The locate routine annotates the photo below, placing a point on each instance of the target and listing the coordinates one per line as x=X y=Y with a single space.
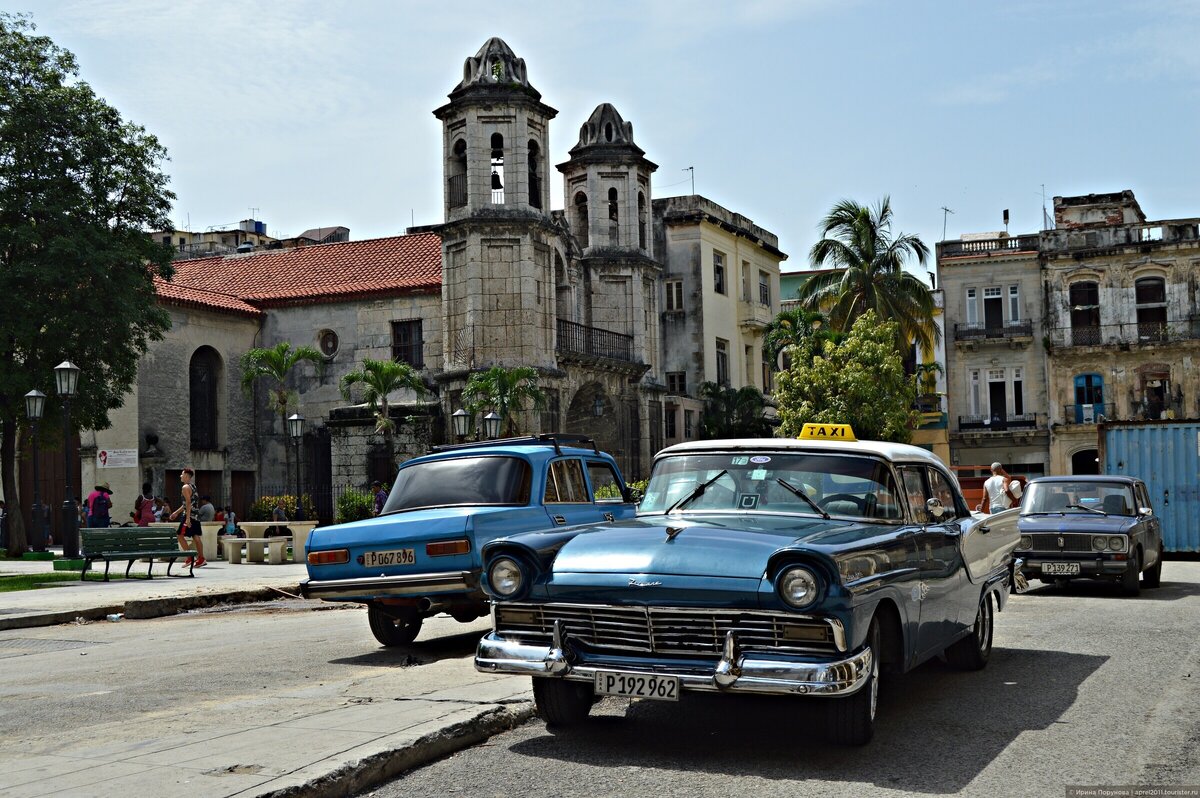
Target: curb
x=357 y=777
x=141 y=609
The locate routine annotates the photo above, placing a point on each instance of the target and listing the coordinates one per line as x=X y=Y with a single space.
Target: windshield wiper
x=1085 y=507
x=696 y=493
x=802 y=495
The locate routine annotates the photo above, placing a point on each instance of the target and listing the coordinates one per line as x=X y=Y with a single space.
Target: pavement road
x=1084 y=687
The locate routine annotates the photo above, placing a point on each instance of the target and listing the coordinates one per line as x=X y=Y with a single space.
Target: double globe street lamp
x=295 y=425
x=461 y=421
x=35 y=405
x=66 y=380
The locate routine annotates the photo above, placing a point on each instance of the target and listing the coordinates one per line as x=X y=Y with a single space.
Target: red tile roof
x=173 y=294
x=319 y=273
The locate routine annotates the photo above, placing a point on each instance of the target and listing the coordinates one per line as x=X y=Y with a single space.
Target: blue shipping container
x=1166 y=456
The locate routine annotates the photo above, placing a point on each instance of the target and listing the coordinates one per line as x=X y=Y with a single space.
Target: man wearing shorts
x=189 y=526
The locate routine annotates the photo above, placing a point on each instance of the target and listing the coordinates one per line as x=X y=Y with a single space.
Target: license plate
x=394 y=557
x=638 y=685
x=1060 y=568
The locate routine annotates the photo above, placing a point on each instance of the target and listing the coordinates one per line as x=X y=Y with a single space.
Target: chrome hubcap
x=983 y=625
x=874 y=683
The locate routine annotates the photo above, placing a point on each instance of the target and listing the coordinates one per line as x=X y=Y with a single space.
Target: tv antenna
x=691 y=169
x=945 y=212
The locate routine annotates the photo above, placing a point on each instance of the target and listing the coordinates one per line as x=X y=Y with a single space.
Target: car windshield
x=1082 y=496
x=460 y=481
x=838 y=484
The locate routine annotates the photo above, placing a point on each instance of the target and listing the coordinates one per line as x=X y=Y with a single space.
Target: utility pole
x=691 y=169
x=945 y=211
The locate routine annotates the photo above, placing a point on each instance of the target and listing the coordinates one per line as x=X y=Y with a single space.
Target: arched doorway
x=1084 y=462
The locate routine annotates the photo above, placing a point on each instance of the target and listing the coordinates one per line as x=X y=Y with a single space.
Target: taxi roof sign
x=827 y=432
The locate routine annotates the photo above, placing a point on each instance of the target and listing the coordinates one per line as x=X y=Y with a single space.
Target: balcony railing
x=997 y=423
x=579 y=339
x=458 y=190
x=1132 y=333
x=988 y=246
x=1089 y=413
x=1012 y=329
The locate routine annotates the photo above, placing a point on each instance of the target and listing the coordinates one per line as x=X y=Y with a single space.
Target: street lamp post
x=35 y=404
x=66 y=380
x=491 y=425
x=461 y=421
x=295 y=424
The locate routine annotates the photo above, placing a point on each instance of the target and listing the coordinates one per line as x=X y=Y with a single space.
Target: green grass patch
x=13 y=582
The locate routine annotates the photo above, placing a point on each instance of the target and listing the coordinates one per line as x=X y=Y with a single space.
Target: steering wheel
x=841 y=497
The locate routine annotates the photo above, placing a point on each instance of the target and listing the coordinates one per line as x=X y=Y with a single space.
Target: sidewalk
x=312 y=740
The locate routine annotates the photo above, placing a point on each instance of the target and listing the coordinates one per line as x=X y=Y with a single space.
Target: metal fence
x=583 y=340
x=1133 y=333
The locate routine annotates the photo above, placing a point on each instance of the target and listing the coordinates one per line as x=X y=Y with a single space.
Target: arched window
x=497 y=169
x=204 y=375
x=614 y=222
x=456 y=171
x=1151 y=295
x=641 y=220
x=1085 y=313
x=608 y=134
x=581 y=219
x=535 y=180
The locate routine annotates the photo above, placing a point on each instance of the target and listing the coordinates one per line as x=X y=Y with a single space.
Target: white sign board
x=117 y=458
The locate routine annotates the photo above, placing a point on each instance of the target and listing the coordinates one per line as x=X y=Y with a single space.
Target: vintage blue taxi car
x=421 y=555
x=779 y=566
x=1094 y=527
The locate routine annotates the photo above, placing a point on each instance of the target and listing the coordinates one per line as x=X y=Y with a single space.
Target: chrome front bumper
x=733 y=673
x=371 y=587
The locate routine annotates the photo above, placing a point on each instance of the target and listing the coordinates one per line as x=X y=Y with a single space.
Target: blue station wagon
x=774 y=566
x=421 y=555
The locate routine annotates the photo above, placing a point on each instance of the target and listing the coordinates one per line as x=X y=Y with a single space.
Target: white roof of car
x=890 y=451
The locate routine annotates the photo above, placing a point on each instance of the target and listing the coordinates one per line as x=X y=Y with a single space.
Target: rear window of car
x=461 y=481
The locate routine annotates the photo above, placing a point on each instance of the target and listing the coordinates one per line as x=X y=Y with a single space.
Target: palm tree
x=275 y=364
x=379 y=379
x=870 y=276
x=794 y=328
x=504 y=390
x=733 y=413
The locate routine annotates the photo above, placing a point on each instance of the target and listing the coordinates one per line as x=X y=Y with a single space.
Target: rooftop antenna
x=945 y=211
x=691 y=169
x=254 y=213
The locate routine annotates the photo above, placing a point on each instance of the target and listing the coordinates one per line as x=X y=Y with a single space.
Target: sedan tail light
x=331 y=557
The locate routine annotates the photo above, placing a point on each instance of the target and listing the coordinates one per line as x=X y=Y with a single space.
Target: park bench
x=255 y=548
x=132 y=544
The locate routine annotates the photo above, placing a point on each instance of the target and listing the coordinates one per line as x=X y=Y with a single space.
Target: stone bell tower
x=499 y=242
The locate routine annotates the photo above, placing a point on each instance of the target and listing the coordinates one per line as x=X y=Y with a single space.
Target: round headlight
x=1026 y=543
x=798 y=587
x=505 y=577
x=1099 y=543
x=1116 y=544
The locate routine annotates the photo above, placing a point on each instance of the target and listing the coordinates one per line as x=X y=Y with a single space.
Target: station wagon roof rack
x=555 y=439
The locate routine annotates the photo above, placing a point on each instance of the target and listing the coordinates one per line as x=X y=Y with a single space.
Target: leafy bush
x=612 y=492
x=354 y=505
x=261 y=510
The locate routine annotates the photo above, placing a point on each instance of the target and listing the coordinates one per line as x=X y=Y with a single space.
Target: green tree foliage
x=860 y=382
x=796 y=327
x=354 y=505
x=869 y=273
x=379 y=379
x=79 y=186
x=733 y=413
x=506 y=391
x=274 y=365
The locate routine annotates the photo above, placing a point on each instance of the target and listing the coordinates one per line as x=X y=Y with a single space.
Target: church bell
x=496 y=181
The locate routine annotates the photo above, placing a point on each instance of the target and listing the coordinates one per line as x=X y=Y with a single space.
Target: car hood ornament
x=673 y=531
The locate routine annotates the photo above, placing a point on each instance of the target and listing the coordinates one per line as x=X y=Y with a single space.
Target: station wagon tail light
x=332 y=557
x=442 y=548
x=1116 y=544
x=798 y=587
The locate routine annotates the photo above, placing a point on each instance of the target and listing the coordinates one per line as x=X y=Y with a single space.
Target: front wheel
x=973 y=651
x=851 y=720
x=562 y=703
x=397 y=629
x=1131 y=579
x=1153 y=577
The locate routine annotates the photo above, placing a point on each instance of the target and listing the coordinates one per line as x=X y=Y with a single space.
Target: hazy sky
x=319 y=113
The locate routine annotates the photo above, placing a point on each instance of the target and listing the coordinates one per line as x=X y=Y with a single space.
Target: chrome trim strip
x=838 y=677
x=404 y=585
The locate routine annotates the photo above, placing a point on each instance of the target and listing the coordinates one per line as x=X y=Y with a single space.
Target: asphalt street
x=1085 y=687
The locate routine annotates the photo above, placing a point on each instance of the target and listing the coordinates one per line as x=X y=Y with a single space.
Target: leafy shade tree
x=506 y=391
x=860 y=382
x=795 y=327
x=733 y=413
x=869 y=274
x=79 y=185
x=379 y=379
x=274 y=365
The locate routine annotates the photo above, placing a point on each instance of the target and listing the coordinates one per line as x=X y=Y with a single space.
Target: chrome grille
x=1071 y=542
x=665 y=630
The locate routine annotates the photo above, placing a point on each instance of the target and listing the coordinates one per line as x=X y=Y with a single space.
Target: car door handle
x=558 y=519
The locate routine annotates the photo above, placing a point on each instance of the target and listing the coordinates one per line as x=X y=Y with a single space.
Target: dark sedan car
x=1096 y=527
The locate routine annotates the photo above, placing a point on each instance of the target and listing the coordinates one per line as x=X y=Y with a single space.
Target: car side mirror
x=1146 y=511
x=935 y=508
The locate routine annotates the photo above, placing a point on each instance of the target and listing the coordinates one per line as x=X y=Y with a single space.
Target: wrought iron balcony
x=579 y=339
x=997 y=423
x=996 y=332
x=1089 y=413
x=1133 y=333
